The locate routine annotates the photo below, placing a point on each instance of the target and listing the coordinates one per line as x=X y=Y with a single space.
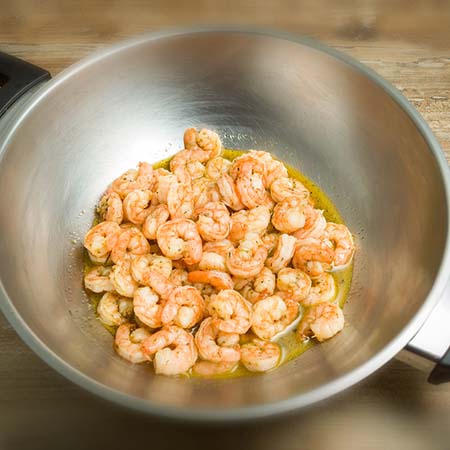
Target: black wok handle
x=16 y=78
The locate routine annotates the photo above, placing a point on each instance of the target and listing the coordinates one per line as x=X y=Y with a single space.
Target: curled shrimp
x=114 y=310
x=260 y=356
x=315 y=224
x=313 y=256
x=159 y=283
x=172 y=349
x=262 y=286
x=207 y=340
x=101 y=239
x=110 y=207
x=220 y=280
x=216 y=167
x=188 y=164
x=323 y=289
x=147 y=307
x=130 y=242
x=180 y=239
x=121 y=278
x=229 y=193
x=205 y=139
x=248 y=259
x=294 y=283
x=97 y=280
x=179 y=277
x=141 y=265
x=204 y=191
x=234 y=312
x=284 y=187
x=210 y=369
x=272 y=315
x=274 y=169
x=163 y=184
x=270 y=241
x=248 y=174
x=213 y=221
x=128 y=341
x=132 y=179
x=283 y=253
x=184 y=307
x=156 y=217
x=254 y=220
x=321 y=321
x=289 y=215
x=180 y=201
x=212 y=261
x=342 y=240
x=136 y=206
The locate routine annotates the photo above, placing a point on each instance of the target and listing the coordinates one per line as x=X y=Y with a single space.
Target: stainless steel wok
x=314 y=108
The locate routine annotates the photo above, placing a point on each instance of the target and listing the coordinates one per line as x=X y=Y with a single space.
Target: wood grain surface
x=407 y=42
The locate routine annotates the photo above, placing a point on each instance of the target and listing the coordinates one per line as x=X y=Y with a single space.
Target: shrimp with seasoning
x=232 y=310
x=207 y=340
x=141 y=265
x=212 y=261
x=284 y=187
x=272 y=315
x=114 y=310
x=156 y=217
x=283 y=253
x=97 y=280
x=210 y=369
x=213 y=221
x=180 y=239
x=204 y=191
x=179 y=201
x=323 y=289
x=132 y=179
x=321 y=321
x=148 y=306
x=254 y=220
x=110 y=207
x=228 y=192
x=128 y=342
x=121 y=278
x=216 y=167
x=205 y=139
x=315 y=224
x=172 y=349
x=179 y=277
x=262 y=286
x=342 y=240
x=101 y=239
x=313 y=256
x=220 y=280
x=163 y=184
x=136 y=206
x=260 y=356
x=188 y=164
x=294 y=283
x=289 y=215
x=130 y=243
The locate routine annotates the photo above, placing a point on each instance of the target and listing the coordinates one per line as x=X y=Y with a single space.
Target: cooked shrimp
x=180 y=239
x=260 y=356
x=229 y=193
x=295 y=283
x=133 y=179
x=184 y=307
x=205 y=139
x=156 y=217
x=163 y=184
x=97 y=280
x=101 y=239
x=159 y=283
x=315 y=224
x=173 y=350
x=247 y=260
x=207 y=291
x=128 y=342
x=272 y=315
x=110 y=207
x=262 y=286
x=204 y=191
x=222 y=248
x=323 y=289
x=121 y=278
x=283 y=253
x=234 y=312
x=212 y=261
x=220 y=280
x=270 y=241
x=179 y=277
x=188 y=164
x=342 y=240
x=274 y=169
x=136 y=206
x=284 y=187
x=213 y=221
x=209 y=368
x=180 y=201
x=148 y=306
x=114 y=310
x=130 y=242
x=206 y=339
x=289 y=215
x=313 y=256
x=141 y=265
x=216 y=167
x=248 y=174
x=321 y=321
x=253 y=220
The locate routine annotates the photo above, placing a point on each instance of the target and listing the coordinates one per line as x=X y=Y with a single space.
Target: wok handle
x=432 y=341
x=16 y=78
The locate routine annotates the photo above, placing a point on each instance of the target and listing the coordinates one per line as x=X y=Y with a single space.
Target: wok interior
x=311 y=110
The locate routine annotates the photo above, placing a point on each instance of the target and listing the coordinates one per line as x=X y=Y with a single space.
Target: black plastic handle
x=16 y=78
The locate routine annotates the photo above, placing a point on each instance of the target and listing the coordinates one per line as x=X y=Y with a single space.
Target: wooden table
x=408 y=42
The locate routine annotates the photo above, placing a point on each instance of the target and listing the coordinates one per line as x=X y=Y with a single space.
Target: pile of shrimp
x=204 y=265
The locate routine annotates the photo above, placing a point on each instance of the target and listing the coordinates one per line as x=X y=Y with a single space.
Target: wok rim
x=295 y=402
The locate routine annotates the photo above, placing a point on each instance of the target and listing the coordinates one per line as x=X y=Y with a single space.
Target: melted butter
x=290 y=345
